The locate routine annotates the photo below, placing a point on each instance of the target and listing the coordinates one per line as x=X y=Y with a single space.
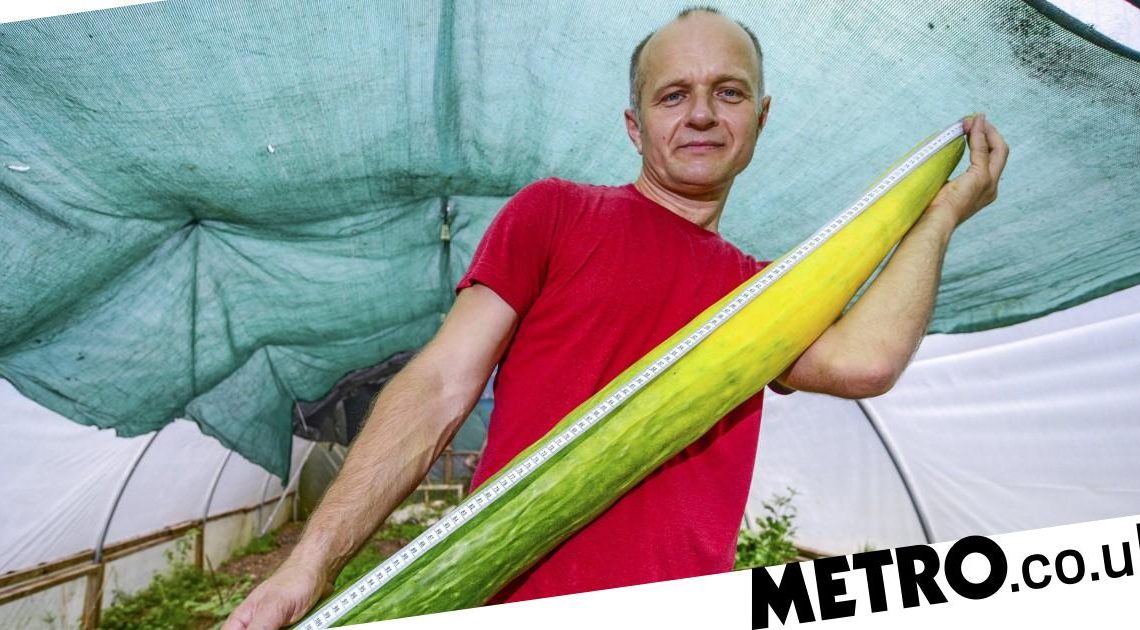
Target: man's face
x=699 y=114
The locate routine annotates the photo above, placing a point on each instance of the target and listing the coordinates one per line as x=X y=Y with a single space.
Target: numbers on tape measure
x=475 y=504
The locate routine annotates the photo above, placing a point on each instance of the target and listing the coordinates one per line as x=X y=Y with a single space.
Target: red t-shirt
x=599 y=276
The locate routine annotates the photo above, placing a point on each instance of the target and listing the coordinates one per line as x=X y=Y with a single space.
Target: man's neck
x=705 y=212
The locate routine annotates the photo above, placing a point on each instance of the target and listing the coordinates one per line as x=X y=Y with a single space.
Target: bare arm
x=411 y=422
x=865 y=351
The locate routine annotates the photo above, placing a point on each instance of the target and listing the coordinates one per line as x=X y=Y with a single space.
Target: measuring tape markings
x=473 y=505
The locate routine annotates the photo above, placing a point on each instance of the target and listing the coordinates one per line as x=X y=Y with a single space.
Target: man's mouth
x=702 y=145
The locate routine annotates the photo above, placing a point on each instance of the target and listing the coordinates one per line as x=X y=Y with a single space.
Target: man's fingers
x=999 y=152
x=979 y=147
x=239 y=618
x=281 y=600
x=257 y=614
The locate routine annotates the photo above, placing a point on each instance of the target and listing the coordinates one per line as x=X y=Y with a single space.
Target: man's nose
x=701 y=114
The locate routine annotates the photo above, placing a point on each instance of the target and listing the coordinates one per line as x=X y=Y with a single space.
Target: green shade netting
x=213 y=209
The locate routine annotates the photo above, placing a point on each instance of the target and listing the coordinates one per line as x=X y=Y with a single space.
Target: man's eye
x=672 y=97
x=732 y=93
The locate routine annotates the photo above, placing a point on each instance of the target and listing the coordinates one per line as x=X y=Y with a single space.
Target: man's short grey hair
x=636 y=81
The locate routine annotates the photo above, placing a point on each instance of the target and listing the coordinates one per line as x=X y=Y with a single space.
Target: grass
x=189 y=597
x=186 y=597
x=262 y=544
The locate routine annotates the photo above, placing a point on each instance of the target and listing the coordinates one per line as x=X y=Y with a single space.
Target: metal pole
x=285 y=492
x=119 y=495
x=340 y=451
x=213 y=487
x=332 y=460
x=261 y=501
x=205 y=507
x=904 y=473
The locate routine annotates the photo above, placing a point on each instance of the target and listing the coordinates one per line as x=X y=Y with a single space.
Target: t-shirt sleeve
x=513 y=256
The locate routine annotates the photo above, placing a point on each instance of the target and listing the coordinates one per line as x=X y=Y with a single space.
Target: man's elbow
x=865 y=379
x=844 y=379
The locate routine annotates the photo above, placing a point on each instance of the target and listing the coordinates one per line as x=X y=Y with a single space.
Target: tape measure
x=505 y=480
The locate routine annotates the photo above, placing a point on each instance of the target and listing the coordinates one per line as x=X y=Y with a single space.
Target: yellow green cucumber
x=731 y=364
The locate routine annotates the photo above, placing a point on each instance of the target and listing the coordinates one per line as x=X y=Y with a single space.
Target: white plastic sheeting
x=1016 y=428
x=1114 y=18
x=1028 y=426
x=61 y=479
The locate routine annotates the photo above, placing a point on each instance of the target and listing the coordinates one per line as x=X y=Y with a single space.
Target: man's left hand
x=971 y=191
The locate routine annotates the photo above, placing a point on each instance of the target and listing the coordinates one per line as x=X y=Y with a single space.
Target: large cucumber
x=734 y=362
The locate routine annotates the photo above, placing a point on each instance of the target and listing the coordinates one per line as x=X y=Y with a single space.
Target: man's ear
x=632 y=128
x=764 y=104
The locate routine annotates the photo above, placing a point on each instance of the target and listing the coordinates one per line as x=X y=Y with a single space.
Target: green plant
x=180 y=551
x=186 y=597
x=189 y=597
x=401 y=531
x=258 y=545
x=771 y=542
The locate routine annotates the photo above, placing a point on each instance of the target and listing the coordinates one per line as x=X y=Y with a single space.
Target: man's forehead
x=699 y=43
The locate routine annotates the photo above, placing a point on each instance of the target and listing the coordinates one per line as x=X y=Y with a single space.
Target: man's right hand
x=281 y=600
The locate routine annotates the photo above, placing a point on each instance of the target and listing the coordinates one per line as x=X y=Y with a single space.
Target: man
x=559 y=265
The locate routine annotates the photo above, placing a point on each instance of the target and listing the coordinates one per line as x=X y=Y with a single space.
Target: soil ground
x=262 y=565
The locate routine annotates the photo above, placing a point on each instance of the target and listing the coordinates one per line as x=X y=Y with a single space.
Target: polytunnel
x=90 y=515
x=217 y=212
x=1022 y=427
x=88 y=511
